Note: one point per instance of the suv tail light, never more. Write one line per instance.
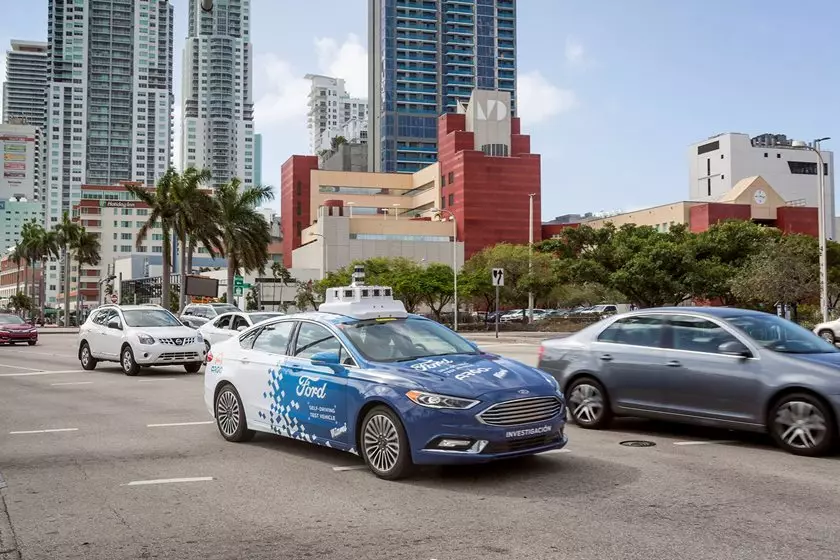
(209, 357)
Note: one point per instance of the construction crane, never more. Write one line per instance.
(206, 5)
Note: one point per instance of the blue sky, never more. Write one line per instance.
(611, 91)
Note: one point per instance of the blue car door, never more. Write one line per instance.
(317, 393)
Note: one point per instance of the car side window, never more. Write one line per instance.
(274, 338)
(239, 321)
(112, 315)
(312, 339)
(223, 322)
(99, 317)
(638, 330)
(695, 334)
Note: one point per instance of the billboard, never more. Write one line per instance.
(14, 165)
(14, 157)
(202, 286)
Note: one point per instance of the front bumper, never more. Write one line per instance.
(11, 336)
(164, 354)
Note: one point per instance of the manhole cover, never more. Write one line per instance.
(637, 443)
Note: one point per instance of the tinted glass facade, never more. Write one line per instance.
(431, 54)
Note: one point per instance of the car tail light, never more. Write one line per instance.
(209, 357)
(540, 353)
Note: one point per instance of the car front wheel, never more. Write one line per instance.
(803, 425)
(129, 364)
(828, 336)
(193, 367)
(86, 358)
(384, 444)
(230, 416)
(588, 404)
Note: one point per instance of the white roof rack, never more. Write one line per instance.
(362, 302)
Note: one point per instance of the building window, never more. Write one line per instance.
(765, 154)
(299, 187)
(443, 202)
(778, 156)
(722, 176)
(442, 180)
(451, 177)
(299, 209)
(451, 200)
(806, 168)
(299, 227)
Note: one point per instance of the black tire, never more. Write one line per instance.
(828, 336)
(86, 358)
(230, 415)
(802, 424)
(127, 361)
(32, 342)
(588, 404)
(193, 367)
(383, 421)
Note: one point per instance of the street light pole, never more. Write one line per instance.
(530, 254)
(439, 211)
(822, 223)
(324, 241)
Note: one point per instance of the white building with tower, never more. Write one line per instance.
(332, 112)
(217, 129)
(24, 91)
(719, 162)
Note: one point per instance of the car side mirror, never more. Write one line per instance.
(115, 324)
(330, 359)
(735, 348)
(241, 328)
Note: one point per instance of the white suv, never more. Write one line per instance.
(138, 336)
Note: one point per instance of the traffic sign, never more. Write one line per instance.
(238, 281)
(114, 298)
(498, 276)
(237, 291)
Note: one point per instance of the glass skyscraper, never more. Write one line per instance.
(426, 56)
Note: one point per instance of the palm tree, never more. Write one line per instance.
(163, 211)
(16, 256)
(38, 245)
(28, 233)
(245, 232)
(194, 222)
(86, 251)
(66, 233)
(281, 273)
(46, 245)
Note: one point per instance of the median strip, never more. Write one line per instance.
(203, 423)
(48, 431)
(168, 481)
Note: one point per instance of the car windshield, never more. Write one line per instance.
(150, 318)
(10, 320)
(400, 340)
(219, 309)
(260, 317)
(780, 335)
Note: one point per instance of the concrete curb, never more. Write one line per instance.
(8, 543)
(510, 338)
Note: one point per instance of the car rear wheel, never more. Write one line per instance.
(86, 358)
(129, 364)
(588, 404)
(828, 336)
(230, 416)
(803, 425)
(384, 444)
(32, 342)
(193, 367)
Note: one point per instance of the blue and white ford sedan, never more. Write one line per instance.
(363, 376)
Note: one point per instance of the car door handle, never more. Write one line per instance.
(243, 359)
(674, 363)
(606, 357)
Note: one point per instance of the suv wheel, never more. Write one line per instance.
(828, 336)
(129, 365)
(193, 367)
(86, 358)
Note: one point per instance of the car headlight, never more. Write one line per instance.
(145, 339)
(199, 337)
(431, 400)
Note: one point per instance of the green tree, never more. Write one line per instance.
(306, 296)
(244, 231)
(436, 286)
(282, 275)
(86, 251)
(163, 211)
(66, 234)
(44, 246)
(785, 271)
(252, 300)
(336, 142)
(16, 257)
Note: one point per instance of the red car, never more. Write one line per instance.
(13, 329)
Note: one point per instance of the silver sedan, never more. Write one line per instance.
(723, 367)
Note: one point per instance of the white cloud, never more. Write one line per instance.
(348, 60)
(575, 53)
(284, 91)
(539, 100)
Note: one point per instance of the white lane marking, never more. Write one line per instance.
(49, 431)
(19, 367)
(717, 442)
(38, 372)
(168, 481)
(158, 379)
(179, 424)
(72, 383)
(351, 468)
(553, 451)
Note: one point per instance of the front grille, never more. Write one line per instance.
(522, 411)
(178, 356)
(522, 444)
(177, 341)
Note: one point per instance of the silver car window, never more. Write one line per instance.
(695, 334)
(636, 330)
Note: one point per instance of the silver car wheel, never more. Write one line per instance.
(828, 336)
(85, 355)
(586, 403)
(381, 443)
(127, 360)
(800, 425)
(227, 413)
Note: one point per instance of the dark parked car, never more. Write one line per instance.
(723, 367)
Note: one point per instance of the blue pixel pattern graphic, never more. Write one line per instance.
(283, 416)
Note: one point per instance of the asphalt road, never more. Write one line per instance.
(74, 494)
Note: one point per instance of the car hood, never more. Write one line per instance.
(471, 375)
(15, 327)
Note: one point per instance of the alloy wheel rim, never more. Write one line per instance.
(227, 413)
(586, 403)
(127, 360)
(800, 424)
(381, 443)
(85, 355)
(828, 337)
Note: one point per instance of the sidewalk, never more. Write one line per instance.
(513, 337)
(57, 330)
